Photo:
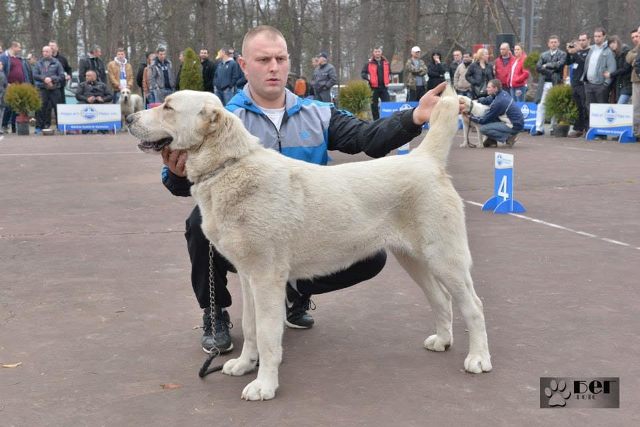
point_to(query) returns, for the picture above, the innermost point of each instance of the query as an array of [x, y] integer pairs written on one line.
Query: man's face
[[265, 62], [120, 56], [377, 54], [46, 52], [97, 53], [91, 76], [504, 49], [491, 89], [635, 38], [583, 41], [54, 47], [204, 54], [457, 55], [17, 49], [553, 44], [598, 38], [322, 60], [161, 55], [415, 54], [466, 58]]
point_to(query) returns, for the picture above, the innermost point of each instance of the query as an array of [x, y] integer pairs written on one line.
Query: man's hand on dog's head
[[175, 161], [422, 113]]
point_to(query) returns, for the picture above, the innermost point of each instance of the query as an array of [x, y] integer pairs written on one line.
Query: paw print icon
[[557, 393]]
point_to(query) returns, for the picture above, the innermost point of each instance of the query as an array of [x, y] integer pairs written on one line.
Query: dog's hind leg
[[249, 356], [268, 296], [438, 298], [454, 274]]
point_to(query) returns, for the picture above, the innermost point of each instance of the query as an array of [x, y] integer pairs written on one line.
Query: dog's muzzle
[[158, 145]]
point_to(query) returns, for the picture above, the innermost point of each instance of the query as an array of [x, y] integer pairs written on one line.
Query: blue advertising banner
[[611, 120], [529, 112], [89, 117]]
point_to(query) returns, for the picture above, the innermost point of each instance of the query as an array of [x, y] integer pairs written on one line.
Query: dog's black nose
[[129, 119]]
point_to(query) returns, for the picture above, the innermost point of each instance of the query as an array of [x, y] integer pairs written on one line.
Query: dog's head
[[181, 122], [466, 101], [125, 94]]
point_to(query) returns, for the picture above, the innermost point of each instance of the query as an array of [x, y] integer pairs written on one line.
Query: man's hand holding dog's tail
[[422, 113]]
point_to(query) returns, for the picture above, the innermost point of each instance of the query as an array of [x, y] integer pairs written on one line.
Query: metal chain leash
[[215, 351]]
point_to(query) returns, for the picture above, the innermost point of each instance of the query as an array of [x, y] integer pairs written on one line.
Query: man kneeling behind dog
[[500, 103], [300, 129]]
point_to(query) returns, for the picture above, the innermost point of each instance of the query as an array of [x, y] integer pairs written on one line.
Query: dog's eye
[[166, 107]]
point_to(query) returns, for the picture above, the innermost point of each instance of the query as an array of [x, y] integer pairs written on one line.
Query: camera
[[571, 45]]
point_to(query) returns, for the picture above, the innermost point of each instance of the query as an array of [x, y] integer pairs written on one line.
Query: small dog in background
[[476, 109], [129, 103]]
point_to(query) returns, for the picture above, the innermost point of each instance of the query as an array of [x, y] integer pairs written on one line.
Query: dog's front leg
[[249, 356], [268, 294]]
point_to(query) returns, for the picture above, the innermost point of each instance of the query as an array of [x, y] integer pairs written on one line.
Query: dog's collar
[[470, 107], [216, 171]]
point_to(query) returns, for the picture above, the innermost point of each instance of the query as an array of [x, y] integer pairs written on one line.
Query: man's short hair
[[205, 49], [120, 49], [496, 83], [90, 71], [553, 37], [273, 32], [15, 44], [161, 49], [600, 30], [584, 33]]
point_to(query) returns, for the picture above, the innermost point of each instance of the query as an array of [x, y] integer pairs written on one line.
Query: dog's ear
[[212, 117]]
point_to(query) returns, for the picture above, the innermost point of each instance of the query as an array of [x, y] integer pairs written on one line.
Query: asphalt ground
[[96, 304]]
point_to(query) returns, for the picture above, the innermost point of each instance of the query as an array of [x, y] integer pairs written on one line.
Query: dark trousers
[[580, 100], [381, 94], [595, 94], [198, 247], [9, 117], [49, 102], [415, 95]]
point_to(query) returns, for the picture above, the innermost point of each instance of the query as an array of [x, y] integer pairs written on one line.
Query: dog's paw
[[463, 145], [238, 367], [436, 343], [477, 363], [259, 390]]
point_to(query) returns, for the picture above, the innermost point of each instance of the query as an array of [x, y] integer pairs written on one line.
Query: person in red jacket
[[518, 76], [376, 72], [502, 66]]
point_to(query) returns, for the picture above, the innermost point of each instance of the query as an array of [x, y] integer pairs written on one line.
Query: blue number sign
[[503, 200]]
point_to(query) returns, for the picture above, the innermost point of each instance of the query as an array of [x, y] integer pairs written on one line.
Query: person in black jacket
[[621, 84], [92, 62], [577, 52], [480, 73], [65, 66], [275, 115], [93, 91], [435, 70], [208, 70]]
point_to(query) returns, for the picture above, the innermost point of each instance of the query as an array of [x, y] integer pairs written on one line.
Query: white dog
[[476, 109], [129, 103], [279, 219]]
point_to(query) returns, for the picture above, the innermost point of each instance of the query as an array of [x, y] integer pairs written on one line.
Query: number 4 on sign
[[503, 200]]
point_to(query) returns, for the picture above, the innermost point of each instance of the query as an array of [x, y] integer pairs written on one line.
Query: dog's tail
[[443, 126]]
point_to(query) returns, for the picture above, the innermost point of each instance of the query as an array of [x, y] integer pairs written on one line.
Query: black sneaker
[[490, 142], [222, 338], [297, 306], [512, 140]]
